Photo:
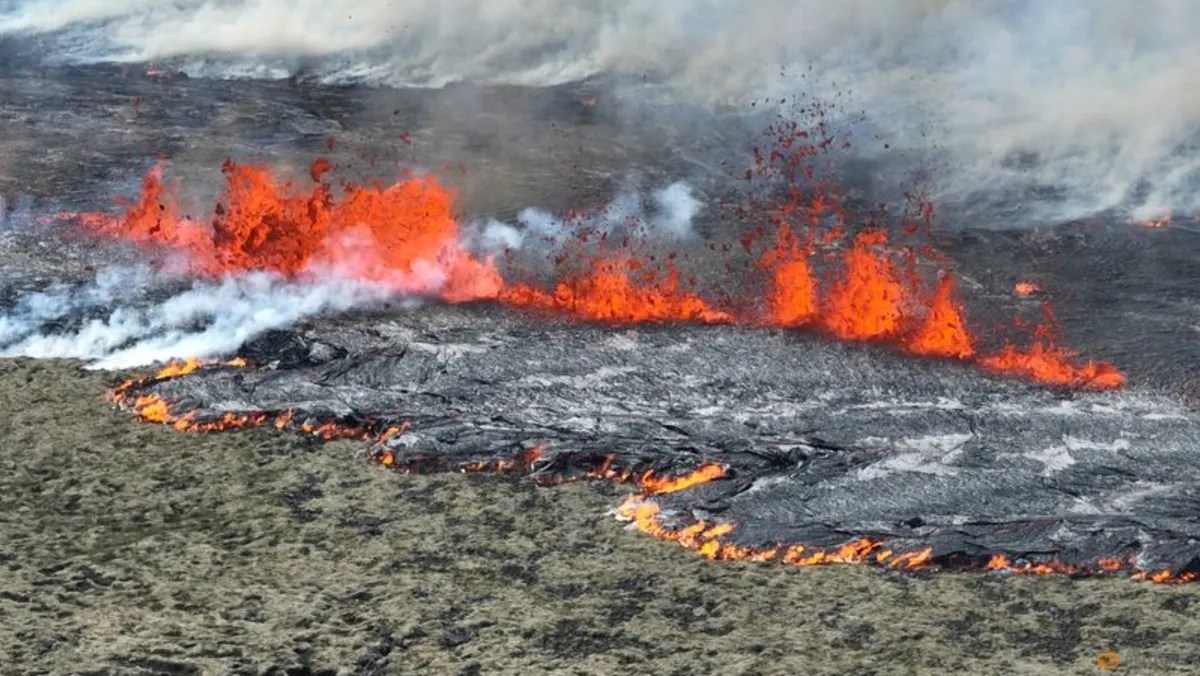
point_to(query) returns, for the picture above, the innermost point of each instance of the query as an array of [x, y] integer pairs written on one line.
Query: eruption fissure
[[405, 237]]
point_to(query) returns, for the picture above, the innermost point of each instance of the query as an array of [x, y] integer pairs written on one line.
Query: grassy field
[[131, 548]]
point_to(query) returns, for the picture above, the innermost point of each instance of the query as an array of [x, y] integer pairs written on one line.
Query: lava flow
[[1047, 362], [711, 538], [153, 408], [610, 291]]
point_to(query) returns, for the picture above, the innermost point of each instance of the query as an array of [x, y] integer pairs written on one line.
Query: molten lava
[[403, 235], [1046, 362], [153, 408], [656, 485], [943, 333], [792, 291], [709, 538], [867, 302], [608, 291], [1026, 288]]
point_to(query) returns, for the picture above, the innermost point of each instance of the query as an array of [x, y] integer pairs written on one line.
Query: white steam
[[209, 319], [666, 214], [134, 316]]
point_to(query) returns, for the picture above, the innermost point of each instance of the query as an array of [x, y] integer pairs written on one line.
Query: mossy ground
[[131, 548]]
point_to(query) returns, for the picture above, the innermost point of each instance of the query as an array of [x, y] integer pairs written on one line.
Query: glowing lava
[[792, 291], [708, 538], [1046, 362], [944, 332], [1026, 288], [609, 291], [153, 408], [866, 303], [404, 235]]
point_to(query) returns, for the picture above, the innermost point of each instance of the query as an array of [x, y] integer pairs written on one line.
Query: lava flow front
[[653, 509]]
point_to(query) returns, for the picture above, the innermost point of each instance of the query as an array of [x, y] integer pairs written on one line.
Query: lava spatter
[[867, 301], [1047, 362], [791, 297], [404, 235], [943, 333], [619, 290]]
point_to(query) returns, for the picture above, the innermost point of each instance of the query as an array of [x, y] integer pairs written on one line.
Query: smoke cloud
[[1074, 106]]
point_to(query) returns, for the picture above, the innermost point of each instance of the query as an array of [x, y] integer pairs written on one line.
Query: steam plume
[[206, 320], [129, 316], [1075, 106], [663, 214]]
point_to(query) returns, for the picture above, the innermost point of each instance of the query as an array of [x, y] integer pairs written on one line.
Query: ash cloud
[[1024, 110]]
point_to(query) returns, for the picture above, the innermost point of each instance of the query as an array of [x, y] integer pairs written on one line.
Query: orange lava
[[792, 292], [1156, 223], [1046, 362], [1166, 576], [404, 235], [608, 291], [504, 465], [1026, 288], [708, 538], [944, 332], [155, 409], [866, 303], [656, 485]]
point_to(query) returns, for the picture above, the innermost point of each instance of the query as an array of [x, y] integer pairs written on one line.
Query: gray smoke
[[1072, 106]]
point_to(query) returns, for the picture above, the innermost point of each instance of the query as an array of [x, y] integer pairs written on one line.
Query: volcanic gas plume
[[1072, 107]]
